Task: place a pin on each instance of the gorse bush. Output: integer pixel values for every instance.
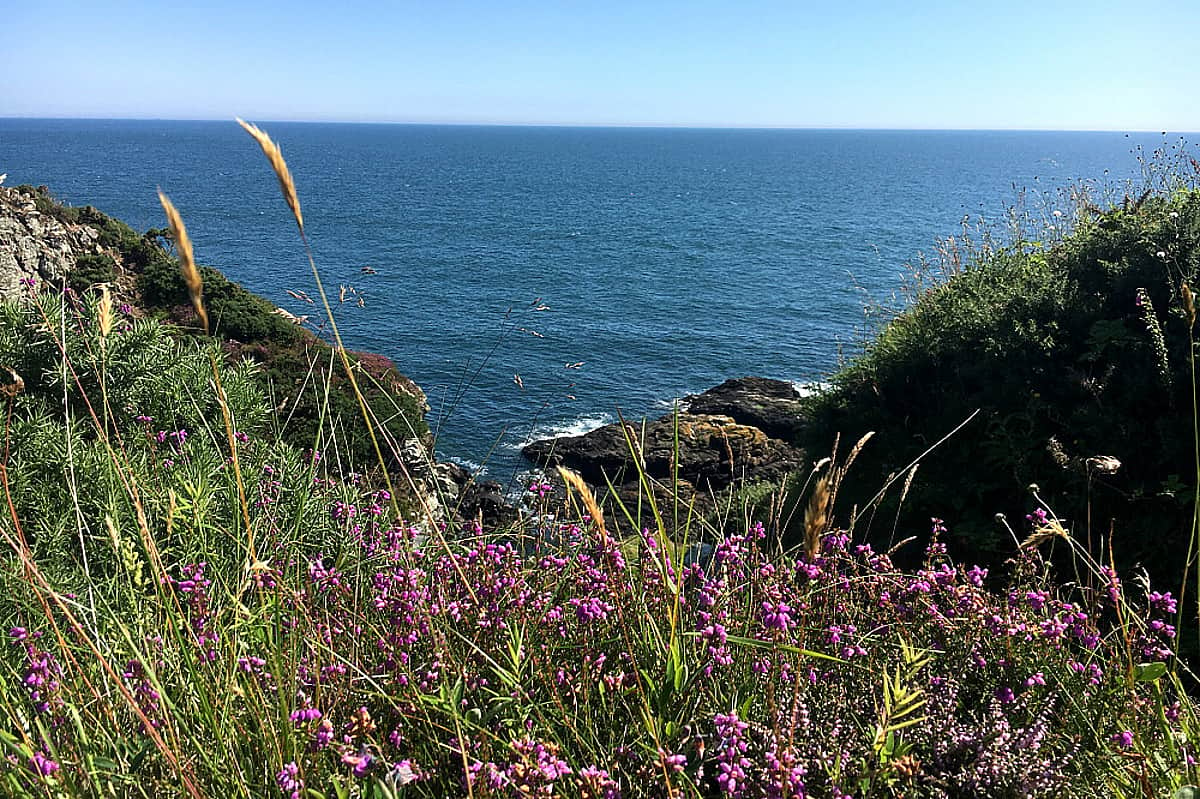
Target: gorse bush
(97, 410)
(193, 606)
(235, 312)
(1070, 351)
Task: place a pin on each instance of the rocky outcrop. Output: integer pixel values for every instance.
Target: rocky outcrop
(773, 406)
(696, 455)
(34, 246)
(471, 500)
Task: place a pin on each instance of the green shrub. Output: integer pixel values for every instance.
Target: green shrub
(90, 270)
(312, 416)
(1069, 351)
(234, 312)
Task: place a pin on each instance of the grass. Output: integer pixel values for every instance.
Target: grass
(196, 606)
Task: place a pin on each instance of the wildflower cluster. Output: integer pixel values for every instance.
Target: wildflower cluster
(584, 667)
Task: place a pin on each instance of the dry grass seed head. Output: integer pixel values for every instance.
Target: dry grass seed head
(275, 157)
(816, 515)
(104, 312)
(187, 262)
(574, 481)
(1050, 530)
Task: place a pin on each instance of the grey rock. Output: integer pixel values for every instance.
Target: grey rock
(773, 406)
(36, 246)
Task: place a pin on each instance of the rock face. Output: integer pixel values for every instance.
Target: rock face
(706, 453)
(472, 500)
(772, 406)
(34, 246)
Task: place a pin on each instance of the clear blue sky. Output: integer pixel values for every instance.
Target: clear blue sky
(902, 64)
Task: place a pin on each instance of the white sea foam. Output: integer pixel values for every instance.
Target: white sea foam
(474, 467)
(668, 405)
(810, 388)
(568, 427)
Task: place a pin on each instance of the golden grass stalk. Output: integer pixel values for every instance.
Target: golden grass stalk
(1189, 304)
(105, 313)
(187, 262)
(1050, 530)
(816, 515)
(574, 481)
(275, 157)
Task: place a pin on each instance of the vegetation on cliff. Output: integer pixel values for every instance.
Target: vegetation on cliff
(1075, 349)
(296, 365)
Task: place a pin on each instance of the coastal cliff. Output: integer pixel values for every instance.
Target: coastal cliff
(45, 245)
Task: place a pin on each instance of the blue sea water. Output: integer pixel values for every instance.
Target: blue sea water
(656, 262)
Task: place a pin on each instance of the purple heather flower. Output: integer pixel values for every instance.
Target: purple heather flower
(1123, 739)
(673, 763)
(42, 765)
(144, 693)
(1164, 603)
(359, 763)
(289, 780)
(731, 754)
(596, 783)
(323, 734)
(402, 773)
(590, 609)
(1004, 695)
(303, 715)
(777, 616)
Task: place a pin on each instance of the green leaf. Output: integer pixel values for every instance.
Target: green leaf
(754, 643)
(1149, 672)
(1187, 792)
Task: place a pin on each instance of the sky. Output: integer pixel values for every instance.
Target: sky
(750, 63)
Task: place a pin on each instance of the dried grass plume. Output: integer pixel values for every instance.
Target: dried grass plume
(574, 481)
(275, 157)
(104, 312)
(816, 515)
(187, 262)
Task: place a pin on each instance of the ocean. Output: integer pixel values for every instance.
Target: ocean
(538, 280)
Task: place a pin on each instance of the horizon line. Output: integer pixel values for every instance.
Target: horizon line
(609, 125)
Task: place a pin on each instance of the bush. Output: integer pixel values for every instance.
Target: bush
(318, 409)
(1069, 352)
(297, 366)
(91, 270)
(233, 312)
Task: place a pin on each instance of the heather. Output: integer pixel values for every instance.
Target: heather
(196, 603)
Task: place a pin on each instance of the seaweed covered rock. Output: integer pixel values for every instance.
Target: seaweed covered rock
(693, 457)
